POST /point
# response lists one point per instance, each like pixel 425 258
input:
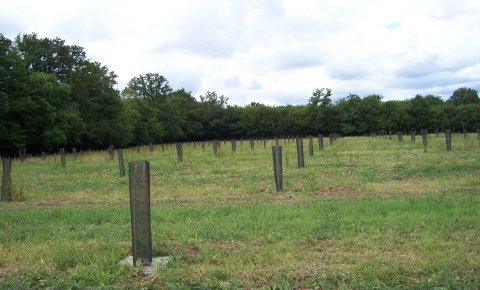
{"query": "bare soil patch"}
pixel 336 191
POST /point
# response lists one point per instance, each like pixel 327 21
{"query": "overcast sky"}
pixel 268 51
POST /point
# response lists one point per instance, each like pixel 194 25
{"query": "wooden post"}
pixel 310 145
pixel 121 164
pixel 252 144
pixel 74 153
pixel 448 139
pixel 320 141
pixel 300 156
pixel 400 136
pixel 234 146
pixel 425 139
pixel 110 152
pixel 277 167
pixel 6 189
pixel 62 157
pixel 22 153
pixel 139 188
pixel 179 152
pixel 413 133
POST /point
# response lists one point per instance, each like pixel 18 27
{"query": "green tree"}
pixel 464 96
pixel 395 115
pixel 149 86
pixel 14 83
pixel 180 116
pixel 51 56
pixel 211 110
pixel 100 105
pixel 348 113
pixel 320 114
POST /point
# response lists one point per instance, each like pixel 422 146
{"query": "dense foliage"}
pixel 52 96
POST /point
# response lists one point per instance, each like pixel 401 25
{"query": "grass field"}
pixel 364 213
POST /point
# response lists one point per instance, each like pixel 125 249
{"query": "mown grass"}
pixel 364 213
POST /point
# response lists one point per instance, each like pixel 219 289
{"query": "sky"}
pixel 270 51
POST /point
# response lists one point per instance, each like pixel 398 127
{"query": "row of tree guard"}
pixel 6 192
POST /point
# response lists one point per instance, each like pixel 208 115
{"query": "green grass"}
pixel 365 213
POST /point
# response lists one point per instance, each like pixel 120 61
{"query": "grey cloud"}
pixel 255 85
pixel 10 29
pixel 297 60
pixel 215 32
pixel 190 81
pixel 442 79
pixel 233 82
pixel 87 27
pixel 348 70
pixel 417 69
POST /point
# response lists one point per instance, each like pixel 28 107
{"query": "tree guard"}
pixel 277 167
pixel 139 187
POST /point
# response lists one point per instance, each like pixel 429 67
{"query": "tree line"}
pixel 52 96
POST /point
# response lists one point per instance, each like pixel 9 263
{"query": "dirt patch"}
pixel 350 164
pixel 336 191
pixel 51 202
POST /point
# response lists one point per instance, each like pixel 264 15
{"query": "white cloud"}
pixel 273 52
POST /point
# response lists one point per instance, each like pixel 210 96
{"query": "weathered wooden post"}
pixel 110 152
pixel 22 153
pixel 310 145
pixel 234 145
pixel 74 153
pixel 448 139
pixel 62 157
pixel 425 139
pixel 400 136
pixel 331 139
pixel 179 152
pixel 6 190
pixel 215 147
pixel 300 156
pixel 320 141
pixel 139 188
pixel 277 167
pixel 121 164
